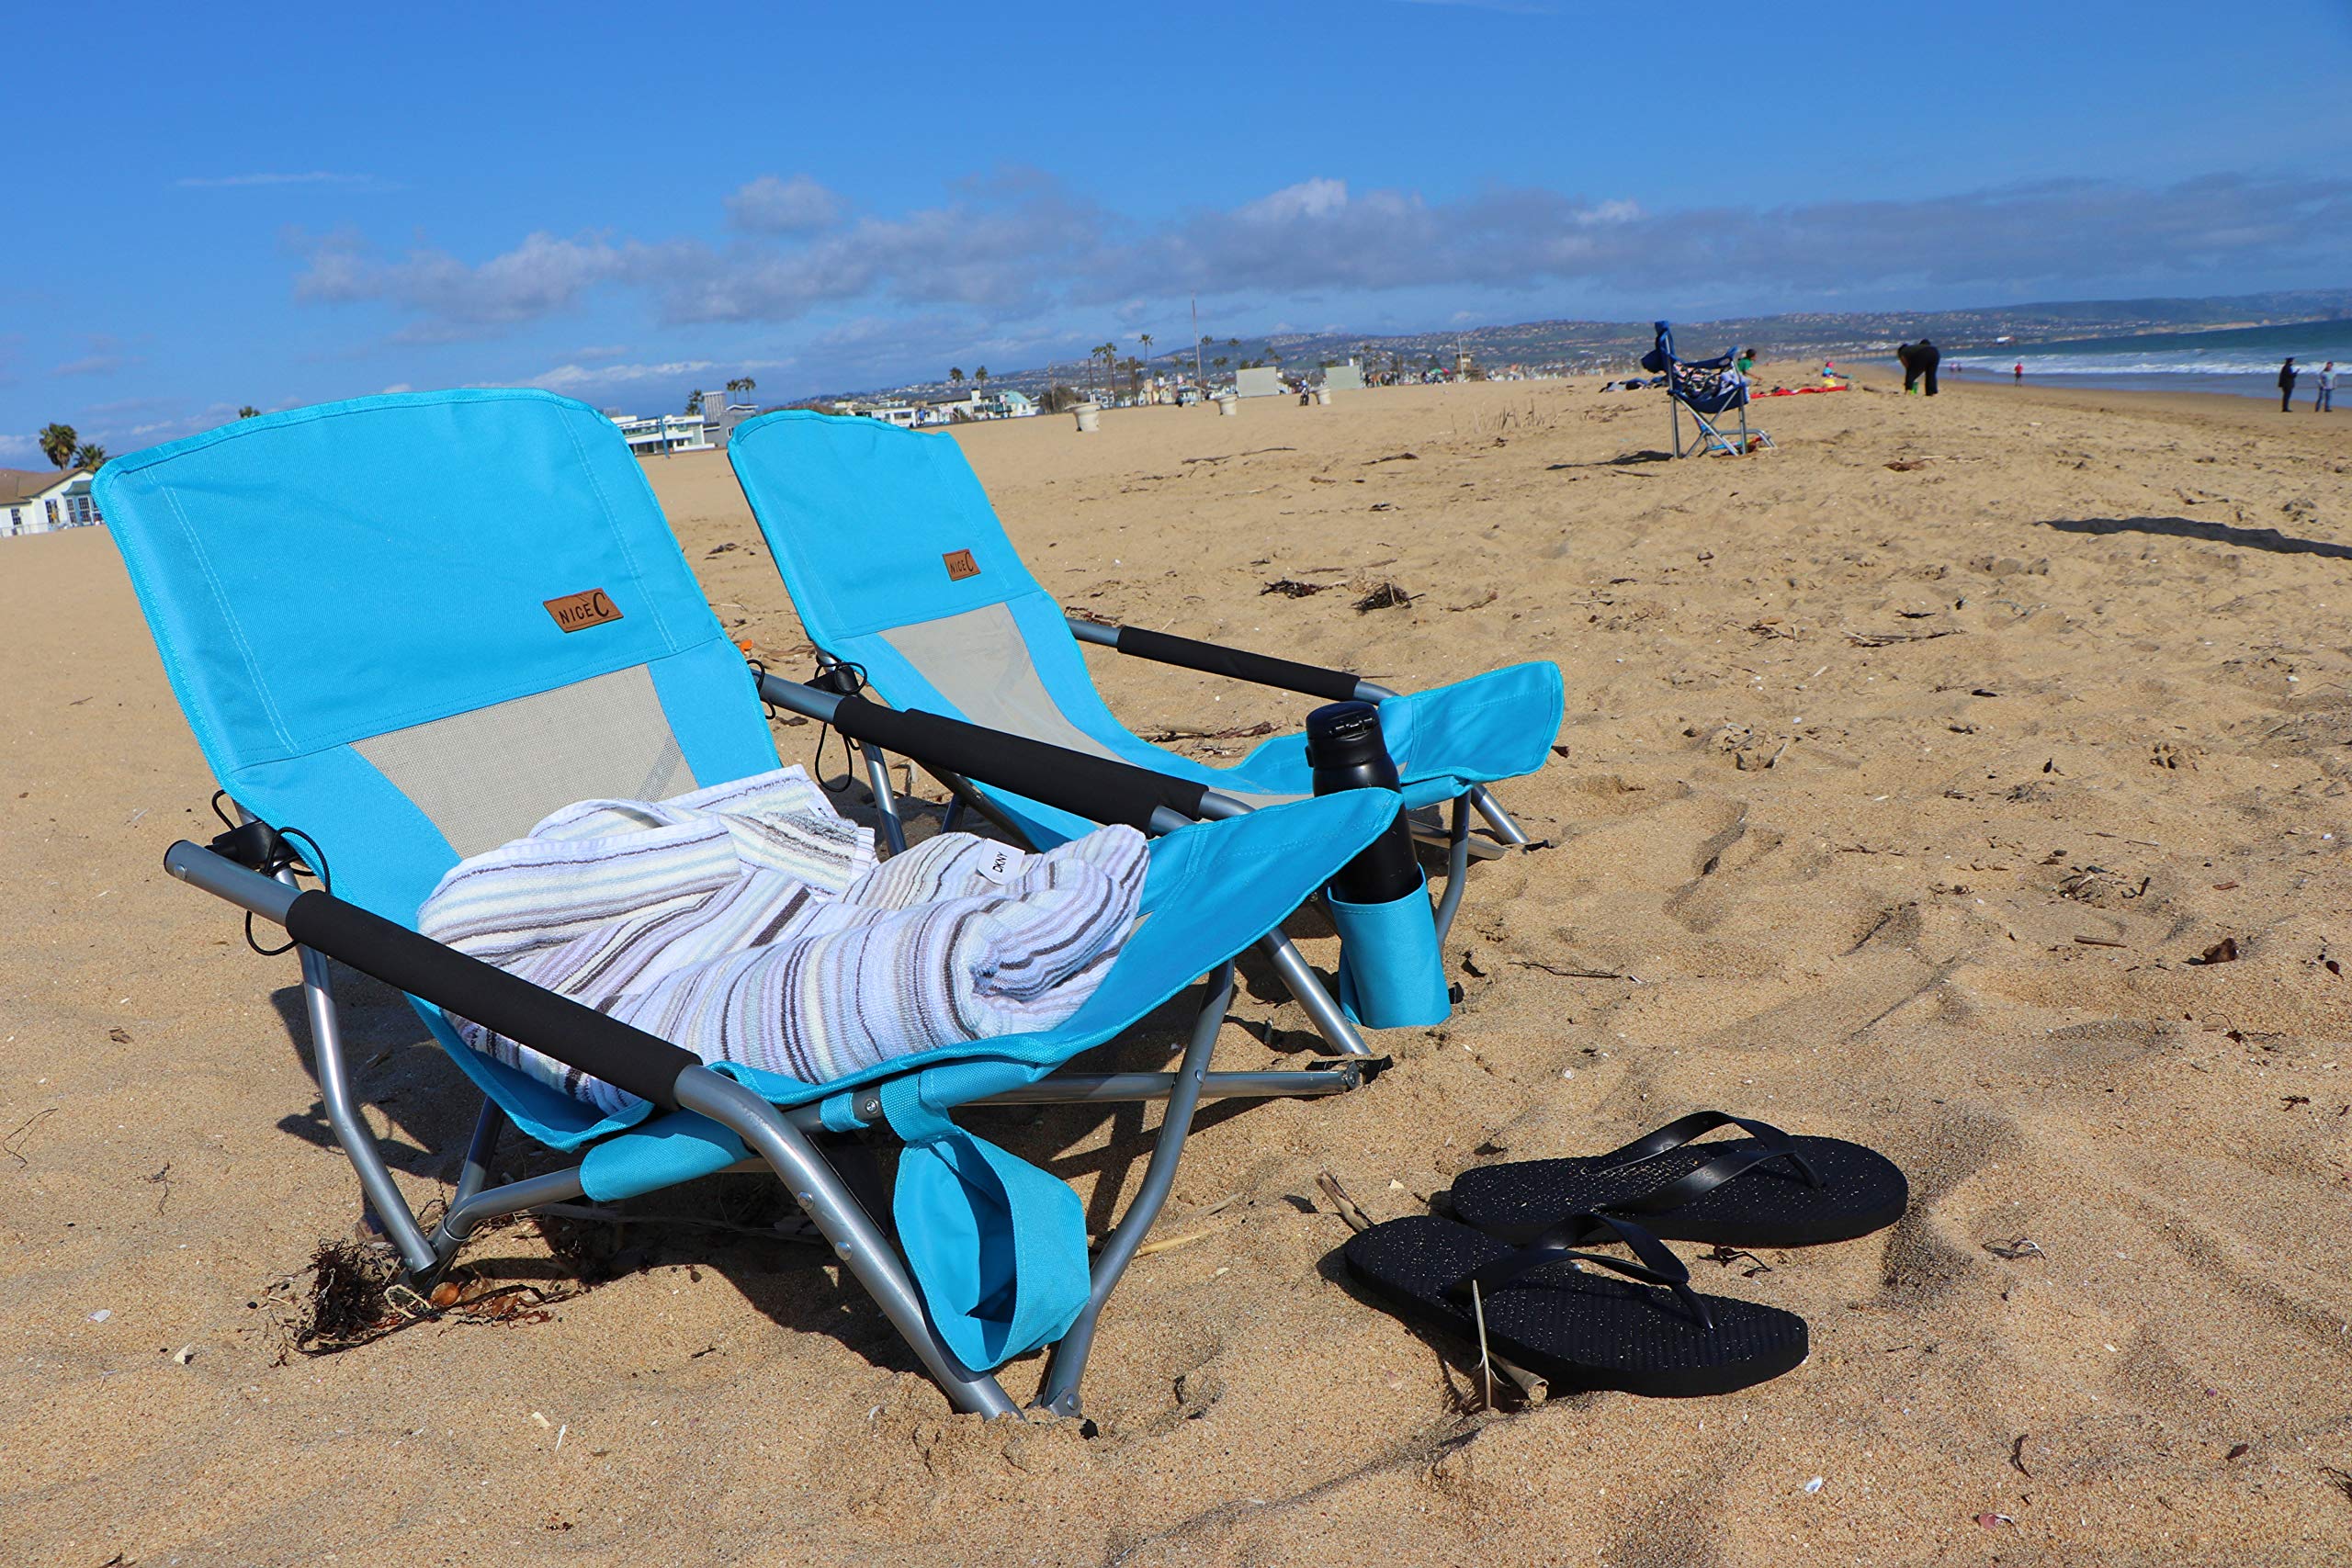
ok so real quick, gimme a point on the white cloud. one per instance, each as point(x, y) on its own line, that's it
point(1018, 257)
point(314, 177)
point(576, 378)
point(398, 387)
point(96, 365)
point(1308, 199)
point(543, 275)
point(772, 206)
point(16, 448)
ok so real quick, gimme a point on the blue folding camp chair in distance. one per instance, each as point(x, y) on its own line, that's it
point(1709, 389)
point(899, 568)
point(411, 627)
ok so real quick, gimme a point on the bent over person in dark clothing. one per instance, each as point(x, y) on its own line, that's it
point(2287, 386)
point(1925, 357)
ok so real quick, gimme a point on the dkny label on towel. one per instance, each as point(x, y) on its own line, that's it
point(577, 612)
point(1000, 865)
point(960, 565)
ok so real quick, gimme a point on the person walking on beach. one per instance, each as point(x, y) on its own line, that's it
point(2324, 399)
point(2019, 372)
point(2286, 385)
point(1925, 356)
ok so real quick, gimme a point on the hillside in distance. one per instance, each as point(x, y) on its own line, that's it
point(1586, 347)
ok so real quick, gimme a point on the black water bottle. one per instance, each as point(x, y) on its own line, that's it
point(1345, 751)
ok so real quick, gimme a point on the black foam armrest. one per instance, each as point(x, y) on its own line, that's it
point(1331, 685)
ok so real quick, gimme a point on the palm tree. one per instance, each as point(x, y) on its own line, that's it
point(1145, 339)
point(955, 375)
point(980, 375)
point(249, 412)
point(741, 384)
point(58, 443)
point(693, 400)
point(89, 454)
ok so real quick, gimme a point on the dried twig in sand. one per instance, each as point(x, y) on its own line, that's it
point(1345, 1206)
point(1576, 974)
point(1888, 639)
point(1388, 596)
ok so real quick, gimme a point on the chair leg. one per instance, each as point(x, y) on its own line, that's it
point(1329, 1021)
point(843, 1223)
point(886, 803)
point(350, 1128)
point(1508, 831)
point(1069, 1365)
point(1457, 864)
point(479, 1150)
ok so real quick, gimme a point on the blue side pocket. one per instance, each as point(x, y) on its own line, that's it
point(997, 1245)
point(1391, 974)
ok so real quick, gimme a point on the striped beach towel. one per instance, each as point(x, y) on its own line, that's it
point(749, 922)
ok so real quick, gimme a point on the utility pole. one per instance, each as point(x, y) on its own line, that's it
point(1198, 379)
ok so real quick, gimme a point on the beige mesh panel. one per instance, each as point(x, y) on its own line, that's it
point(979, 662)
point(488, 776)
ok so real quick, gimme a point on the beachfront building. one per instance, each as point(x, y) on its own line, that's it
point(719, 423)
point(665, 434)
point(41, 501)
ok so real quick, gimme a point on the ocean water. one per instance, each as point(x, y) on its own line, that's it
point(2241, 360)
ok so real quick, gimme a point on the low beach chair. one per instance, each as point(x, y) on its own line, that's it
point(1709, 389)
point(903, 578)
point(407, 627)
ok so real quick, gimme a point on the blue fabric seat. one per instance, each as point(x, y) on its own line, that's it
point(412, 625)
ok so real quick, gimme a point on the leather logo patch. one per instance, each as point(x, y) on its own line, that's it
point(577, 612)
point(960, 565)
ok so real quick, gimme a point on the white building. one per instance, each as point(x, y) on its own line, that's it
point(36, 500)
point(663, 434)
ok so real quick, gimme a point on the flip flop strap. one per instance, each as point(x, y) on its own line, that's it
point(1652, 1264)
point(1696, 1183)
point(1682, 1129)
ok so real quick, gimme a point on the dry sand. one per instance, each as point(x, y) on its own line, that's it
point(1907, 770)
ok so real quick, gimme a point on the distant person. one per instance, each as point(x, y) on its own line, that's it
point(1745, 362)
point(2019, 372)
point(2286, 385)
point(1829, 373)
point(2324, 399)
point(1927, 356)
point(1904, 357)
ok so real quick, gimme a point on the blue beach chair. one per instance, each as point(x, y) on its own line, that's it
point(1709, 389)
point(405, 629)
point(898, 567)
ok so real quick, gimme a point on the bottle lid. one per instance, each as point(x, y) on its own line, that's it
point(1343, 735)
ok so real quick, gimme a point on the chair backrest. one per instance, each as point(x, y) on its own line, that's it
point(895, 560)
point(412, 625)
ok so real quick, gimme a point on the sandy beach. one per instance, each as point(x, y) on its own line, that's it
point(1911, 773)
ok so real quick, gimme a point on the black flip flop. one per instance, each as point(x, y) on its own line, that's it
point(1770, 1189)
point(1656, 1336)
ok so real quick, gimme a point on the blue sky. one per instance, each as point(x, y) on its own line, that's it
point(294, 204)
